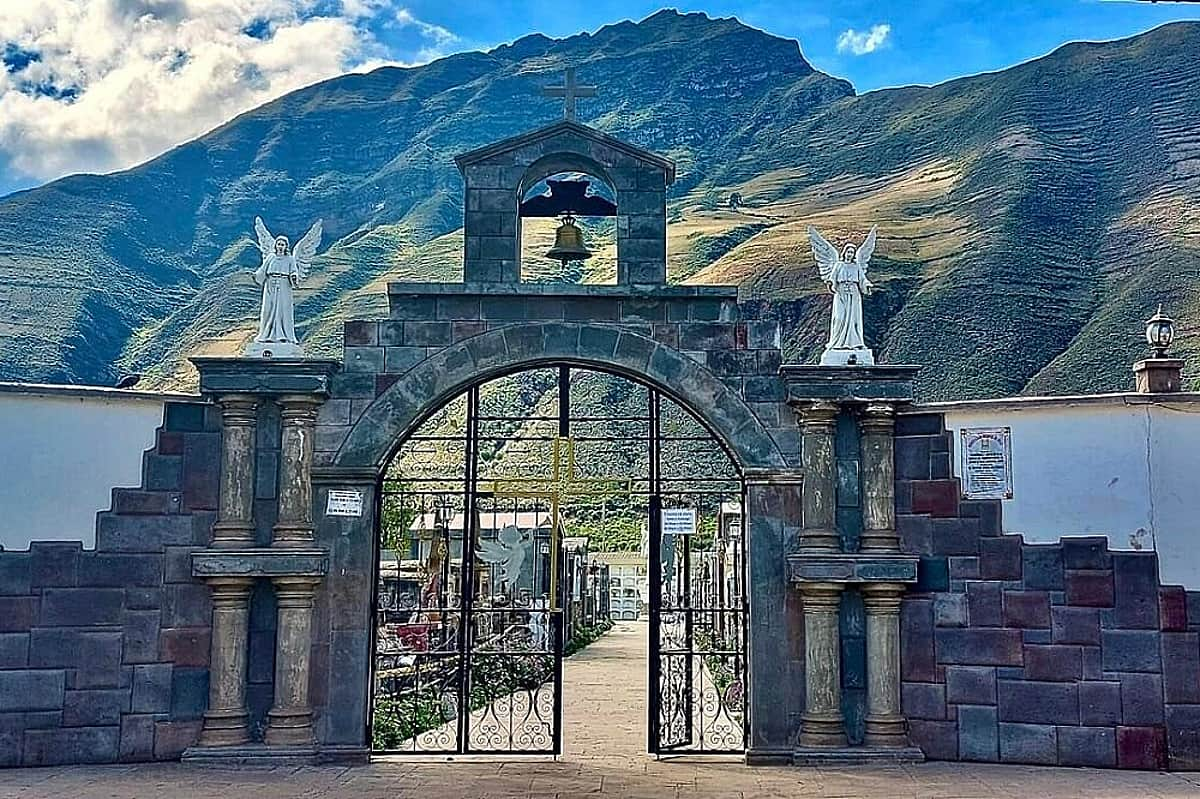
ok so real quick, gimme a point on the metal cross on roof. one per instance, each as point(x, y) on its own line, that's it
point(570, 91)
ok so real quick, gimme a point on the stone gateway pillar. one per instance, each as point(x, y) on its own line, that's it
point(850, 545)
point(234, 562)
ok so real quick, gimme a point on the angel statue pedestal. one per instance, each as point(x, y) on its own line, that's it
point(281, 272)
point(846, 409)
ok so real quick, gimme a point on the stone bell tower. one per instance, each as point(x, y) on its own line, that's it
point(497, 176)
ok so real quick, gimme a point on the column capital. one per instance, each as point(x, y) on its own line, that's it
point(238, 409)
point(295, 591)
point(821, 596)
point(230, 591)
point(878, 418)
point(883, 598)
point(816, 413)
point(299, 406)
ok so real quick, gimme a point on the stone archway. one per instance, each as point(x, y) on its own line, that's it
point(429, 385)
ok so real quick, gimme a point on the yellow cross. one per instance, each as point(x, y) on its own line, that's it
point(563, 482)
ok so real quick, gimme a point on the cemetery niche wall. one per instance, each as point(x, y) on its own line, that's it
point(228, 613)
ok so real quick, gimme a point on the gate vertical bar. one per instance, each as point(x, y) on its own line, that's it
point(654, 578)
point(466, 572)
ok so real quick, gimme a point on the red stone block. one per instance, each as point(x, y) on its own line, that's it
point(172, 737)
point(1027, 609)
point(937, 739)
point(384, 382)
point(916, 642)
point(170, 443)
point(1141, 748)
point(1092, 589)
point(1000, 558)
point(185, 646)
point(1053, 662)
point(938, 498)
point(1172, 609)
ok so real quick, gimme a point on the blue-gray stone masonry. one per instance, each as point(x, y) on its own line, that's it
point(104, 652)
point(1065, 654)
point(701, 323)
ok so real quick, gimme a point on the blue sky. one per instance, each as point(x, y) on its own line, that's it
point(927, 41)
point(99, 85)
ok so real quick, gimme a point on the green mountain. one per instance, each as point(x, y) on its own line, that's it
point(1030, 219)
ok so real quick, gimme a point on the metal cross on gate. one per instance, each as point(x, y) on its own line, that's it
point(570, 91)
point(563, 482)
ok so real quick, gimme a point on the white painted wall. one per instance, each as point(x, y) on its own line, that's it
point(62, 451)
point(1114, 465)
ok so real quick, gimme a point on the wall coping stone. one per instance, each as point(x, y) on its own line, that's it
point(852, 568)
point(94, 392)
point(1067, 401)
point(606, 290)
point(260, 562)
point(809, 382)
point(269, 376)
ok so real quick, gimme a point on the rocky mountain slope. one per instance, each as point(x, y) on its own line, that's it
point(1030, 219)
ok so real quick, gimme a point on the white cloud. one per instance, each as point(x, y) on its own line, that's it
point(863, 42)
point(98, 85)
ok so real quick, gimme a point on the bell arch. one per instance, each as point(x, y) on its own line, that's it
point(420, 392)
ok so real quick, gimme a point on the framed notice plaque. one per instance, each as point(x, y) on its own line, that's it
point(985, 458)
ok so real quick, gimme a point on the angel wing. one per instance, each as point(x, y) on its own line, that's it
point(266, 242)
point(825, 253)
point(306, 248)
point(492, 552)
point(863, 254)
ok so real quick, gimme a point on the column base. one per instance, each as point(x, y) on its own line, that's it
point(882, 542)
point(855, 756)
point(886, 733)
point(819, 539)
point(224, 728)
point(252, 755)
point(822, 733)
point(291, 537)
point(289, 728)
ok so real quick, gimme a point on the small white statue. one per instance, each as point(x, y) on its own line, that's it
point(846, 277)
point(280, 273)
point(506, 552)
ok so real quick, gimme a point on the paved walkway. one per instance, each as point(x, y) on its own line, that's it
point(605, 740)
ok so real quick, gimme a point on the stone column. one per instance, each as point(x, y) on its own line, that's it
point(878, 425)
point(290, 717)
point(885, 724)
point(294, 527)
point(822, 724)
point(225, 721)
point(235, 514)
point(817, 424)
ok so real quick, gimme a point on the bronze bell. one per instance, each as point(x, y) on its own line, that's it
point(568, 242)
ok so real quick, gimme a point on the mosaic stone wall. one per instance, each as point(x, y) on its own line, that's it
point(1061, 654)
point(104, 653)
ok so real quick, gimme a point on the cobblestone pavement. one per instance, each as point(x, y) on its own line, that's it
point(605, 740)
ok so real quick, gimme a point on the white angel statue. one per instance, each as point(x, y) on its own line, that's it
point(507, 552)
point(846, 277)
point(279, 273)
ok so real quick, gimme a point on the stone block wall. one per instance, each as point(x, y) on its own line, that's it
point(1061, 654)
point(426, 318)
point(104, 653)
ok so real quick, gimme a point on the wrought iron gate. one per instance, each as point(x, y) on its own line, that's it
point(472, 607)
